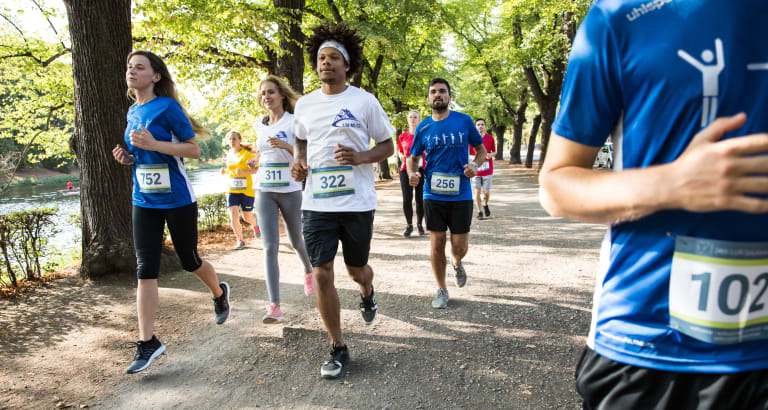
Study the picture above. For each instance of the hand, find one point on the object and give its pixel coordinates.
(346, 155)
(223, 170)
(413, 179)
(713, 175)
(470, 170)
(142, 139)
(122, 155)
(252, 163)
(299, 170)
(239, 171)
(275, 142)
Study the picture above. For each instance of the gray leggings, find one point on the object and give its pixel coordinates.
(266, 206)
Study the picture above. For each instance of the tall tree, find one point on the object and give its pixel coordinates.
(101, 39)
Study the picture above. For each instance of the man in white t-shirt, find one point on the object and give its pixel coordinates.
(333, 127)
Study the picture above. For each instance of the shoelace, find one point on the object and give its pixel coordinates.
(143, 352)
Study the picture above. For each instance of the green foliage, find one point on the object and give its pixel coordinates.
(213, 211)
(23, 241)
(36, 98)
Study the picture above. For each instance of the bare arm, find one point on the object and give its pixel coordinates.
(299, 168)
(470, 170)
(711, 175)
(412, 166)
(348, 156)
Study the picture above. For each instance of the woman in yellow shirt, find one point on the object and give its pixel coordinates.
(241, 193)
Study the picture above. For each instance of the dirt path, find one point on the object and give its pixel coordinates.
(509, 339)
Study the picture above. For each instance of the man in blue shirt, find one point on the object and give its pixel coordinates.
(445, 137)
(680, 314)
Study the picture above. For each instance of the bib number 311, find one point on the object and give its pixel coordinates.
(718, 290)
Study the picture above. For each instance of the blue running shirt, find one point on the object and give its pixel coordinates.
(677, 290)
(446, 143)
(164, 182)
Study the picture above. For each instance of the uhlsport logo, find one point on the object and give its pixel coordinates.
(646, 8)
(345, 119)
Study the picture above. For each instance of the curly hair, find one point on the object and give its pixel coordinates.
(342, 33)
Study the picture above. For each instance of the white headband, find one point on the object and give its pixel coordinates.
(337, 46)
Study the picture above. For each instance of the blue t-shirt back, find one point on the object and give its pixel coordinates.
(164, 118)
(446, 143)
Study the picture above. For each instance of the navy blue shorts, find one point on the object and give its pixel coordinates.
(244, 201)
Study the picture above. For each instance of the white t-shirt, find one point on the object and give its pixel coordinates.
(351, 118)
(274, 173)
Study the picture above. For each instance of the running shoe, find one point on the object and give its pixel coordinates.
(240, 245)
(146, 352)
(408, 231)
(274, 315)
(221, 304)
(256, 231)
(461, 274)
(331, 369)
(441, 300)
(487, 211)
(480, 216)
(421, 230)
(309, 283)
(368, 307)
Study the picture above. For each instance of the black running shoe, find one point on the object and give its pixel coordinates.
(221, 304)
(331, 369)
(408, 231)
(480, 215)
(145, 353)
(421, 230)
(368, 307)
(487, 211)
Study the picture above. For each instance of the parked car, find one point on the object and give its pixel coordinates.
(605, 156)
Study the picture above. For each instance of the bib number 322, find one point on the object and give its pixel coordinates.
(332, 181)
(718, 291)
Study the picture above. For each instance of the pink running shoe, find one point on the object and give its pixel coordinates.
(309, 283)
(274, 315)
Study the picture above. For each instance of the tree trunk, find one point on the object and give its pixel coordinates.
(101, 40)
(532, 141)
(291, 64)
(548, 114)
(517, 127)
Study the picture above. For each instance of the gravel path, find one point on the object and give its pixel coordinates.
(509, 339)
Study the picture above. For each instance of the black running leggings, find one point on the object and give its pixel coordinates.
(408, 198)
(148, 230)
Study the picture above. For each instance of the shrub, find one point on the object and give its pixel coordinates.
(213, 211)
(23, 240)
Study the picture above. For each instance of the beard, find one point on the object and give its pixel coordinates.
(439, 106)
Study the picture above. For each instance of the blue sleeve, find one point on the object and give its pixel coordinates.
(591, 100)
(178, 122)
(475, 138)
(417, 147)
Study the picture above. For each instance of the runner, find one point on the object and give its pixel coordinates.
(279, 192)
(334, 126)
(158, 135)
(241, 193)
(445, 137)
(484, 179)
(680, 310)
(404, 142)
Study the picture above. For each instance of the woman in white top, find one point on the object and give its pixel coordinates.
(279, 191)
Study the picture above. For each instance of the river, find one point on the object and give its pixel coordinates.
(204, 181)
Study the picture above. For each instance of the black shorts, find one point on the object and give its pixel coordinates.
(323, 230)
(453, 215)
(148, 232)
(606, 384)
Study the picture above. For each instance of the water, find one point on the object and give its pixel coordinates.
(204, 181)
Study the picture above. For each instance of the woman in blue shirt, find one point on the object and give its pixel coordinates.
(158, 135)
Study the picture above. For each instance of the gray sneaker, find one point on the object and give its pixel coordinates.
(441, 300)
(461, 274)
(221, 307)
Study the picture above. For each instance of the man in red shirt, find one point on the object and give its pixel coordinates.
(482, 181)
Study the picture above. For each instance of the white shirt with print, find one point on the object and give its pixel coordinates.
(352, 118)
(270, 157)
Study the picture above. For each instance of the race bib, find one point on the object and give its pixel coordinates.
(332, 181)
(274, 174)
(153, 178)
(718, 290)
(238, 183)
(485, 166)
(444, 184)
